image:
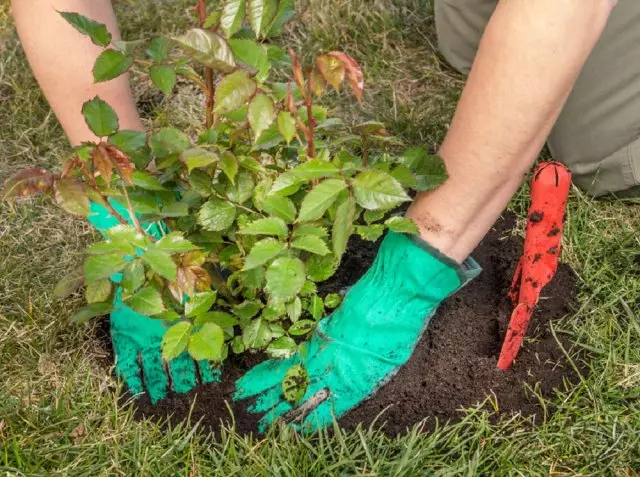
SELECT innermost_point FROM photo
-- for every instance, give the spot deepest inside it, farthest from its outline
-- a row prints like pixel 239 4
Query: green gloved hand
pixel 137 339
pixel 361 346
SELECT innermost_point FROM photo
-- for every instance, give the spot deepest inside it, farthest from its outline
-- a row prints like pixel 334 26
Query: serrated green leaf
pixel 216 215
pixel 147 301
pixel 283 347
pixel 287 125
pixel 301 328
pixel 332 300
pixel 316 307
pixel 110 246
pixel 220 318
pixel 241 191
pixel 91 311
pixel 234 91
pixel 314 169
pixel 404 176
pixel 212 21
pixel 294 309
pixel 128 141
pixel 295 383
pixel 133 276
pixel 207 343
pixel 431 173
pixel 98 32
pixel 402 225
pixel 209 49
pixel 199 303
pixel 175 209
pixel 169 141
pixel 175 243
pixel 69 284
pixel 281 207
pixel 310 229
pixel 370 232
pixel 196 157
pixel 321 267
pixel 158 49
pixel 256 334
pixel 343 225
pixel 175 340
pixel 102 266
pixel 261 14
pixel 311 244
pixel 285 278
pixel 262 252
pixel 233 14
pixel 237 345
pixel 99 291
pixel 253 55
pixel 229 165
pixel 375 189
pixel 285 12
pixel 111 64
pixel 71 196
pixel 247 309
pixel 201 183
pixel 371 216
pixel 100 117
pixel 164 77
pixel 261 114
pixel 319 199
pixel 268 226
pixel 161 263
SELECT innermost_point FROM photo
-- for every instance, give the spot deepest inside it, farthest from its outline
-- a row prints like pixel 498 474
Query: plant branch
pixel 311 150
pixel 132 214
pixel 208 72
pixel 235 204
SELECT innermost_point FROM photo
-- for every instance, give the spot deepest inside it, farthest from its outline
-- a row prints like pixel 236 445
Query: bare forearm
pixel 529 58
pixel 62 60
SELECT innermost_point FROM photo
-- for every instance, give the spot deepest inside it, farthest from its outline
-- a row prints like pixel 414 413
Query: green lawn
pixel 58 404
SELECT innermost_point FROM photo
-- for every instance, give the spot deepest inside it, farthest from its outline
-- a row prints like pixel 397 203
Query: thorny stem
pixel 201 7
pixel 132 214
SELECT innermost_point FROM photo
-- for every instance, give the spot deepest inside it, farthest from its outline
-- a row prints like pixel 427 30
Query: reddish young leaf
pixel 353 71
pixel 102 163
pixel 27 182
pixel 203 279
pixel 332 70
pixel 175 291
pixel 68 166
pixel 297 71
pixel 186 280
pixel 316 83
pixel 290 104
pixel 122 162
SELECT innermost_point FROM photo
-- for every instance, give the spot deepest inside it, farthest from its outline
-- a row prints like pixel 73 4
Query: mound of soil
pixel 454 364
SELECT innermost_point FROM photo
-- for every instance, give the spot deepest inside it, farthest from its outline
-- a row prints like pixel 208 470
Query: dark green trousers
pixel 598 132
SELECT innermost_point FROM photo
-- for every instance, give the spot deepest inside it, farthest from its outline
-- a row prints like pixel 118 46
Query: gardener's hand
pixel 137 339
pixel 358 348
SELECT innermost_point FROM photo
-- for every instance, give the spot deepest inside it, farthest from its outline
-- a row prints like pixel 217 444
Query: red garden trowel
pixel 549 193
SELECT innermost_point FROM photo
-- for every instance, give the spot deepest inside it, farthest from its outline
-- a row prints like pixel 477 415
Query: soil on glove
pixel 453 366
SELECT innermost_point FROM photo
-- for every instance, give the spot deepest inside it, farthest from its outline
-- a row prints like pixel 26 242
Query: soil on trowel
pixel 454 364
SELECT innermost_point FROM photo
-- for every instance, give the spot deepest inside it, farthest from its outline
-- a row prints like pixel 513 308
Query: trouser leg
pixel 598 132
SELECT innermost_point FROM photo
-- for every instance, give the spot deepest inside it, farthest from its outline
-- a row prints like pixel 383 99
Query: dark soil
pixel 454 364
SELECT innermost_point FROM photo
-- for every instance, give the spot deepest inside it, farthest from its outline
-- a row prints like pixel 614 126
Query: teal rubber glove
pixel 362 345
pixel 137 339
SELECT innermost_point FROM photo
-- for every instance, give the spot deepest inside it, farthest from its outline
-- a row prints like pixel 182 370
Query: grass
pixel 58 404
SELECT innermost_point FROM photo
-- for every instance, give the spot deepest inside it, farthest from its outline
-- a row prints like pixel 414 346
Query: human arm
pixel 62 60
pixel 528 60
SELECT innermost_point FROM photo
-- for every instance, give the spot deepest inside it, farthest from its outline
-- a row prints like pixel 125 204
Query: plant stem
pixel 311 150
pixel 201 7
pixel 134 219
pixel 235 204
